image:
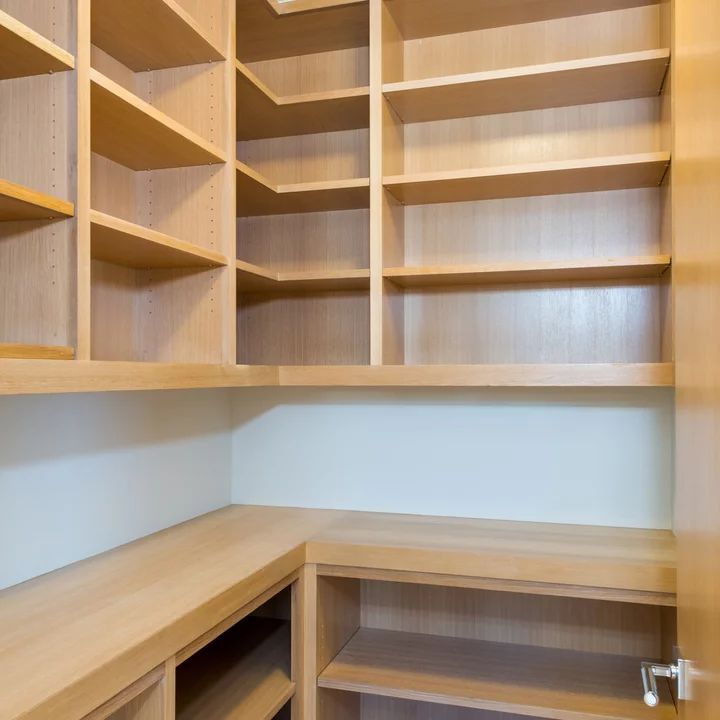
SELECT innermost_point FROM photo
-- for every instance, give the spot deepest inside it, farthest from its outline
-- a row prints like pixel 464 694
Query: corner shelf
pixel 128 31
pixel 18 202
pixel 263 114
pixel 125 243
pixel 425 18
pixel 24 52
pixel 258 196
pixel 532 179
pixel 503 677
pixel 245 674
pixel 253 278
pixel 574 82
pixel 132 132
pixel 20 351
pixel 525 272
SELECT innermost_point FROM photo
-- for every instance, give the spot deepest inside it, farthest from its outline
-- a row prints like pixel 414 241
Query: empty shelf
pixel 133 133
pixel 528 680
pixel 263 114
pixel 258 196
pixel 575 82
pixel 245 673
pixel 425 18
pixel 253 278
pixel 129 31
pixel 19 351
pixel 544 178
pixel 516 272
pixel 20 203
pixel 24 52
pixel 125 243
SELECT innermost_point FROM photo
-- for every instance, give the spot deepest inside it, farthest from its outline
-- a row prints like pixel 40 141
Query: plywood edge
pixel 512 375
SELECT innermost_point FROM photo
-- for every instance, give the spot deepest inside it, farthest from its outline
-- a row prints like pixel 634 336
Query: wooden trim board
pixel 18 351
pixel 253 278
pixel 22 203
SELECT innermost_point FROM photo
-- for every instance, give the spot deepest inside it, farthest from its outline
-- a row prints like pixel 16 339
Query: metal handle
pixel 649 672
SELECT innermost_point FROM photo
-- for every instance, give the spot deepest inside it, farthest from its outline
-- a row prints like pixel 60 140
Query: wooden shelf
pixel 19 351
pixel 526 272
pixel 574 82
pixel 24 52
pixel 21 203
pixel 263 114
pixel 253 278
pixel 245 673
pixel 266 31
pixel 528 680
pixel 128 31
pixel 135 246
pixel 131 132
pixel 544 178
pixel 258 196
pixel 426 18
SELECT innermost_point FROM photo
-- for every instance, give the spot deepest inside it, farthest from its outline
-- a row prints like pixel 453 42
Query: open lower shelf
pixel 125 243
pixel 21 351
pixel 516 272
pixel 24 52
pixel 253 278
pixel 245 673
pixel 258 196
pixel 132 132
pixel 574 82
pixel 425 18
pixel 128 31
pixel 263 114
pixel 528 680
pixel 620 172
pixel 18 202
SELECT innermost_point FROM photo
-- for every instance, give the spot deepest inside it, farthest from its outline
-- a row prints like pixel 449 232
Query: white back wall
pixel 599 457
pixel 80 474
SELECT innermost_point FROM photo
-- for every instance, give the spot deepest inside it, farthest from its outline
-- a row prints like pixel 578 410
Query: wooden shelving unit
pixel 512 678
pixel 24 52
pixel 533 179
pixel 129 131
pixel 21 203
pixel 528 272
pixel 129 32
pixel 16 351
pixel 263 114
pixel 252 278
pixel 571 82
pixel 243 674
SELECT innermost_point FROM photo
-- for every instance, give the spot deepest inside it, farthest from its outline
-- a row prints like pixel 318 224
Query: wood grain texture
pixel 128 32
pixel 252 278
pixel 244 673
pixel 146 692
pixel 573 82
pixel 544 683
pixel 35 352
pixel 374 707
pixel 21 203
pixel 304 644
pixel 25 52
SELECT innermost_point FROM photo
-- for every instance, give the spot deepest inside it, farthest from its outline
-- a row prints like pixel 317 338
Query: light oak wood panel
pixel 374 707
pixel 21 203
pixel 542 682
pixel 253 278
pixel 334 705
pixel 245 673
pixel 124 243
pixel 423 18
pixel 132 132
pixel 304 645
pixel 531 179
pixel 564 623
pixel 517 272
pixel 573 82
pixel 303 328
pixel 128 31
pixel 156 315
pixel 256 195
pixel 572 38
pixel 295 6
pixel 339 606
pixel 263 114
pixel 325 241
pixel 263 34
pixel 25 52
pixel 53 21
pixel 580 225
pixel 147 691
pixel 35 352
